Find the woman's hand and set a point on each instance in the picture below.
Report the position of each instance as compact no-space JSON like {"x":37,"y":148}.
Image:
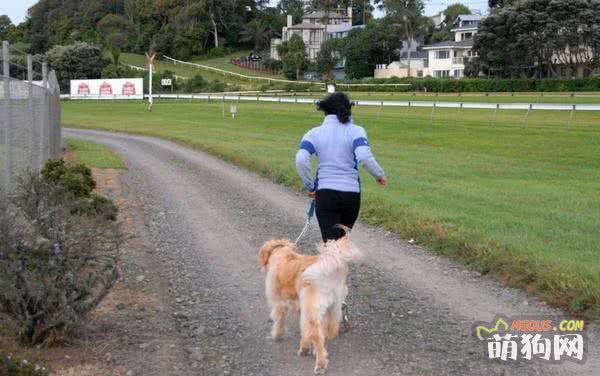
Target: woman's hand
{"x":382,"y":180}
{"x":312,"y":195}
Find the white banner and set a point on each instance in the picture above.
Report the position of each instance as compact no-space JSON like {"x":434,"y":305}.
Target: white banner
{"x":119,"y":88}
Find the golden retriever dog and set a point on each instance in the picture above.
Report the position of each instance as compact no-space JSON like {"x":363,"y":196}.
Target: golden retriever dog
{"x":314,"y":284}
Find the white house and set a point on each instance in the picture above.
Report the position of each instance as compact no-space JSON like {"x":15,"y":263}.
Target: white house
{"x":315,"y":28}
{"x":443,"y":59}
{"x":447,"y":59}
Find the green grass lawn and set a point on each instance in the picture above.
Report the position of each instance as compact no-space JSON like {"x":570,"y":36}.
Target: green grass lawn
{"x":95,"y":155}
{"x":578,"y":98}
{"x":225,"y":64}
{"x":188,"y":71}
{"x":520,"y":201}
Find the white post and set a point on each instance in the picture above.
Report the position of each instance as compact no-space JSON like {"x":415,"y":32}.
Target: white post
{"x":150,"y":99}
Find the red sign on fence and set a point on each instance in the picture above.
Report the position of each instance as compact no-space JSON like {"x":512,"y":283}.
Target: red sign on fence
{"x":83,"y":89}
{"x":106,"y":89}
{"x":128,"y":88}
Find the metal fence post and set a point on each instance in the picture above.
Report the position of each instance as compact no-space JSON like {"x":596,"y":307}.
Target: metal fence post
{"x":524,"y":124}
{"x":6,"y":140}
{"x":493,"y":122}
{"x":34,"y":157}
{"x":458,"y":113}
{"x":44,"y":124}
{"x":572,"y":116}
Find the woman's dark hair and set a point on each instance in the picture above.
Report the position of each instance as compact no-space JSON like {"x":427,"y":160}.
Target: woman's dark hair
{"x":337,"y":104}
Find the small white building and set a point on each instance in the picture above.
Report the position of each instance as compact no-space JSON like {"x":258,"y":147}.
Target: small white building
{"x":447,"y":59}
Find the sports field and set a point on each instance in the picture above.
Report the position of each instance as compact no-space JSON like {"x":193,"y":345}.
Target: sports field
{"x":517,"y":199}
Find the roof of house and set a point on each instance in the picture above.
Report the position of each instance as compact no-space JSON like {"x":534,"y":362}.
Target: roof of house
{"x":450,"y":44}
{"x":307,"y":25}
{"x":322,"y":14}
{"x":469,"y":17}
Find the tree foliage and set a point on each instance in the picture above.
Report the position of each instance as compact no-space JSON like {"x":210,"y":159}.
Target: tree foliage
{"x":76,"y":61}
{"x":533,"y":37}
{"x":364,"y":48}
{"x":175,"y":27}
{"x":327,"y":58}
{"x":293,"y":56}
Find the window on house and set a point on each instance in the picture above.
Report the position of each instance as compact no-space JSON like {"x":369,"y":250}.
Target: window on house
{"x":444,"y":54}
{"x":466,"y":36}
{"x":419,"y":73}
{"x":442,"y":73}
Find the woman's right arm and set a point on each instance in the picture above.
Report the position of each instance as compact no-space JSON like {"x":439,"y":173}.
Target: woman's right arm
{"x":364,"y":156}
{"x":303,"y":162}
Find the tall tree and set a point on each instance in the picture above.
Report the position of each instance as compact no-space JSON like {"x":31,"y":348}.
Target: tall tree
{"x":327,"y":58}
{"x":295,"y":8}
{"x":256,"y":33}
{"x":407,"y":17}
{"x":533,"y":37}
{"x":364,"y":48}
{"x":293,"y":56}
{"x":362,"y":12}
{"x":117,"y":31}
{"x":5,"y":25}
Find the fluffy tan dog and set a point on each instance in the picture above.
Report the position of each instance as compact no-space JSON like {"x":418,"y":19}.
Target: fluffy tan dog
{"x":315,"y":284}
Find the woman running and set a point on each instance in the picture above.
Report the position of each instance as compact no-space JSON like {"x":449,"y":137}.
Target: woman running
{"x":341,"y":146}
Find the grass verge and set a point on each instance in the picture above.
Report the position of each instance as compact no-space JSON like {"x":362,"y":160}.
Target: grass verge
{"x":94,"y":155}
{"x":515,"y":198}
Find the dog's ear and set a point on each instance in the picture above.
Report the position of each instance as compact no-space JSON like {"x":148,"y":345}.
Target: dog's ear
{"x":263,"y":256}
{"x":264,"y":253}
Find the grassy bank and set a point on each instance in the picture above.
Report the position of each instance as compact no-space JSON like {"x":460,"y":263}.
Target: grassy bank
{"x":519,"y":200}
{"x":94,"y":155}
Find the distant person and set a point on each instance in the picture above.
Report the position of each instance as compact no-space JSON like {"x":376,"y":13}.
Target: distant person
{"x":341,"y":146}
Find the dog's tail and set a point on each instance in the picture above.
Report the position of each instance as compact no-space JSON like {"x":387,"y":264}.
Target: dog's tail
{"x":335,"y":255}
{"x":264,"y":253}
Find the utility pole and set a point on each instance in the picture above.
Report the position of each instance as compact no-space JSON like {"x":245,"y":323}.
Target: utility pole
{"x":150,"y":55}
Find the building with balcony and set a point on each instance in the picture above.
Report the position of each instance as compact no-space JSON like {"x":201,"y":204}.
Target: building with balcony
{"x":315,"y":28}
{"x":448,"y":58}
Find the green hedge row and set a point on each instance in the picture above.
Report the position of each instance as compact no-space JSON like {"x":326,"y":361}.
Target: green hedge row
{"x":449,"y":85}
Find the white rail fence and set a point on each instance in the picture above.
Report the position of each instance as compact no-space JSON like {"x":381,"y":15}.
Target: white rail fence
{"x":381,"y":103}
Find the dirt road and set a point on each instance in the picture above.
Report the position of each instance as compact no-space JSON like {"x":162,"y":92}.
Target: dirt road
{"x":412,"y":312}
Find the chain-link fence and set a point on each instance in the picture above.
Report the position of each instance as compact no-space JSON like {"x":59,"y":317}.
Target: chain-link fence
{"x":30,"y":132}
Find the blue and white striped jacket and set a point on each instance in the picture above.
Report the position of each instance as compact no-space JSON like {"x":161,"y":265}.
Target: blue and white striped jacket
{"x":340,"y":149}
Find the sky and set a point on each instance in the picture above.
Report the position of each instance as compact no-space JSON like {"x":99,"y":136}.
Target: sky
{"x":17,"y":9}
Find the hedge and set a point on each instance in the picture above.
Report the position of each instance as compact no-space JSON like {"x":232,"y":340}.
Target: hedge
{"x":450,"y":85}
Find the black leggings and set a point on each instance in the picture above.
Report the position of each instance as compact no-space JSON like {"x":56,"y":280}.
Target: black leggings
{"x":333,"y":208}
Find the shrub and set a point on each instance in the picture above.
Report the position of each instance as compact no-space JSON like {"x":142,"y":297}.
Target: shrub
{"x":77,"y":179}
{"x":58,"y":254}
{"x":272,"y":64}
{"x":12,"y":366}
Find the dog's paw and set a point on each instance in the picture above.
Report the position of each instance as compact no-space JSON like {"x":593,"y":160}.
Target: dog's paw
{"x":303,"y":352}
{"x":320,"y":369}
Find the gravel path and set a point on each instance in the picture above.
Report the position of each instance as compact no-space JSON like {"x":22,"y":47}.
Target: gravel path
{"x":411,"y":311}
